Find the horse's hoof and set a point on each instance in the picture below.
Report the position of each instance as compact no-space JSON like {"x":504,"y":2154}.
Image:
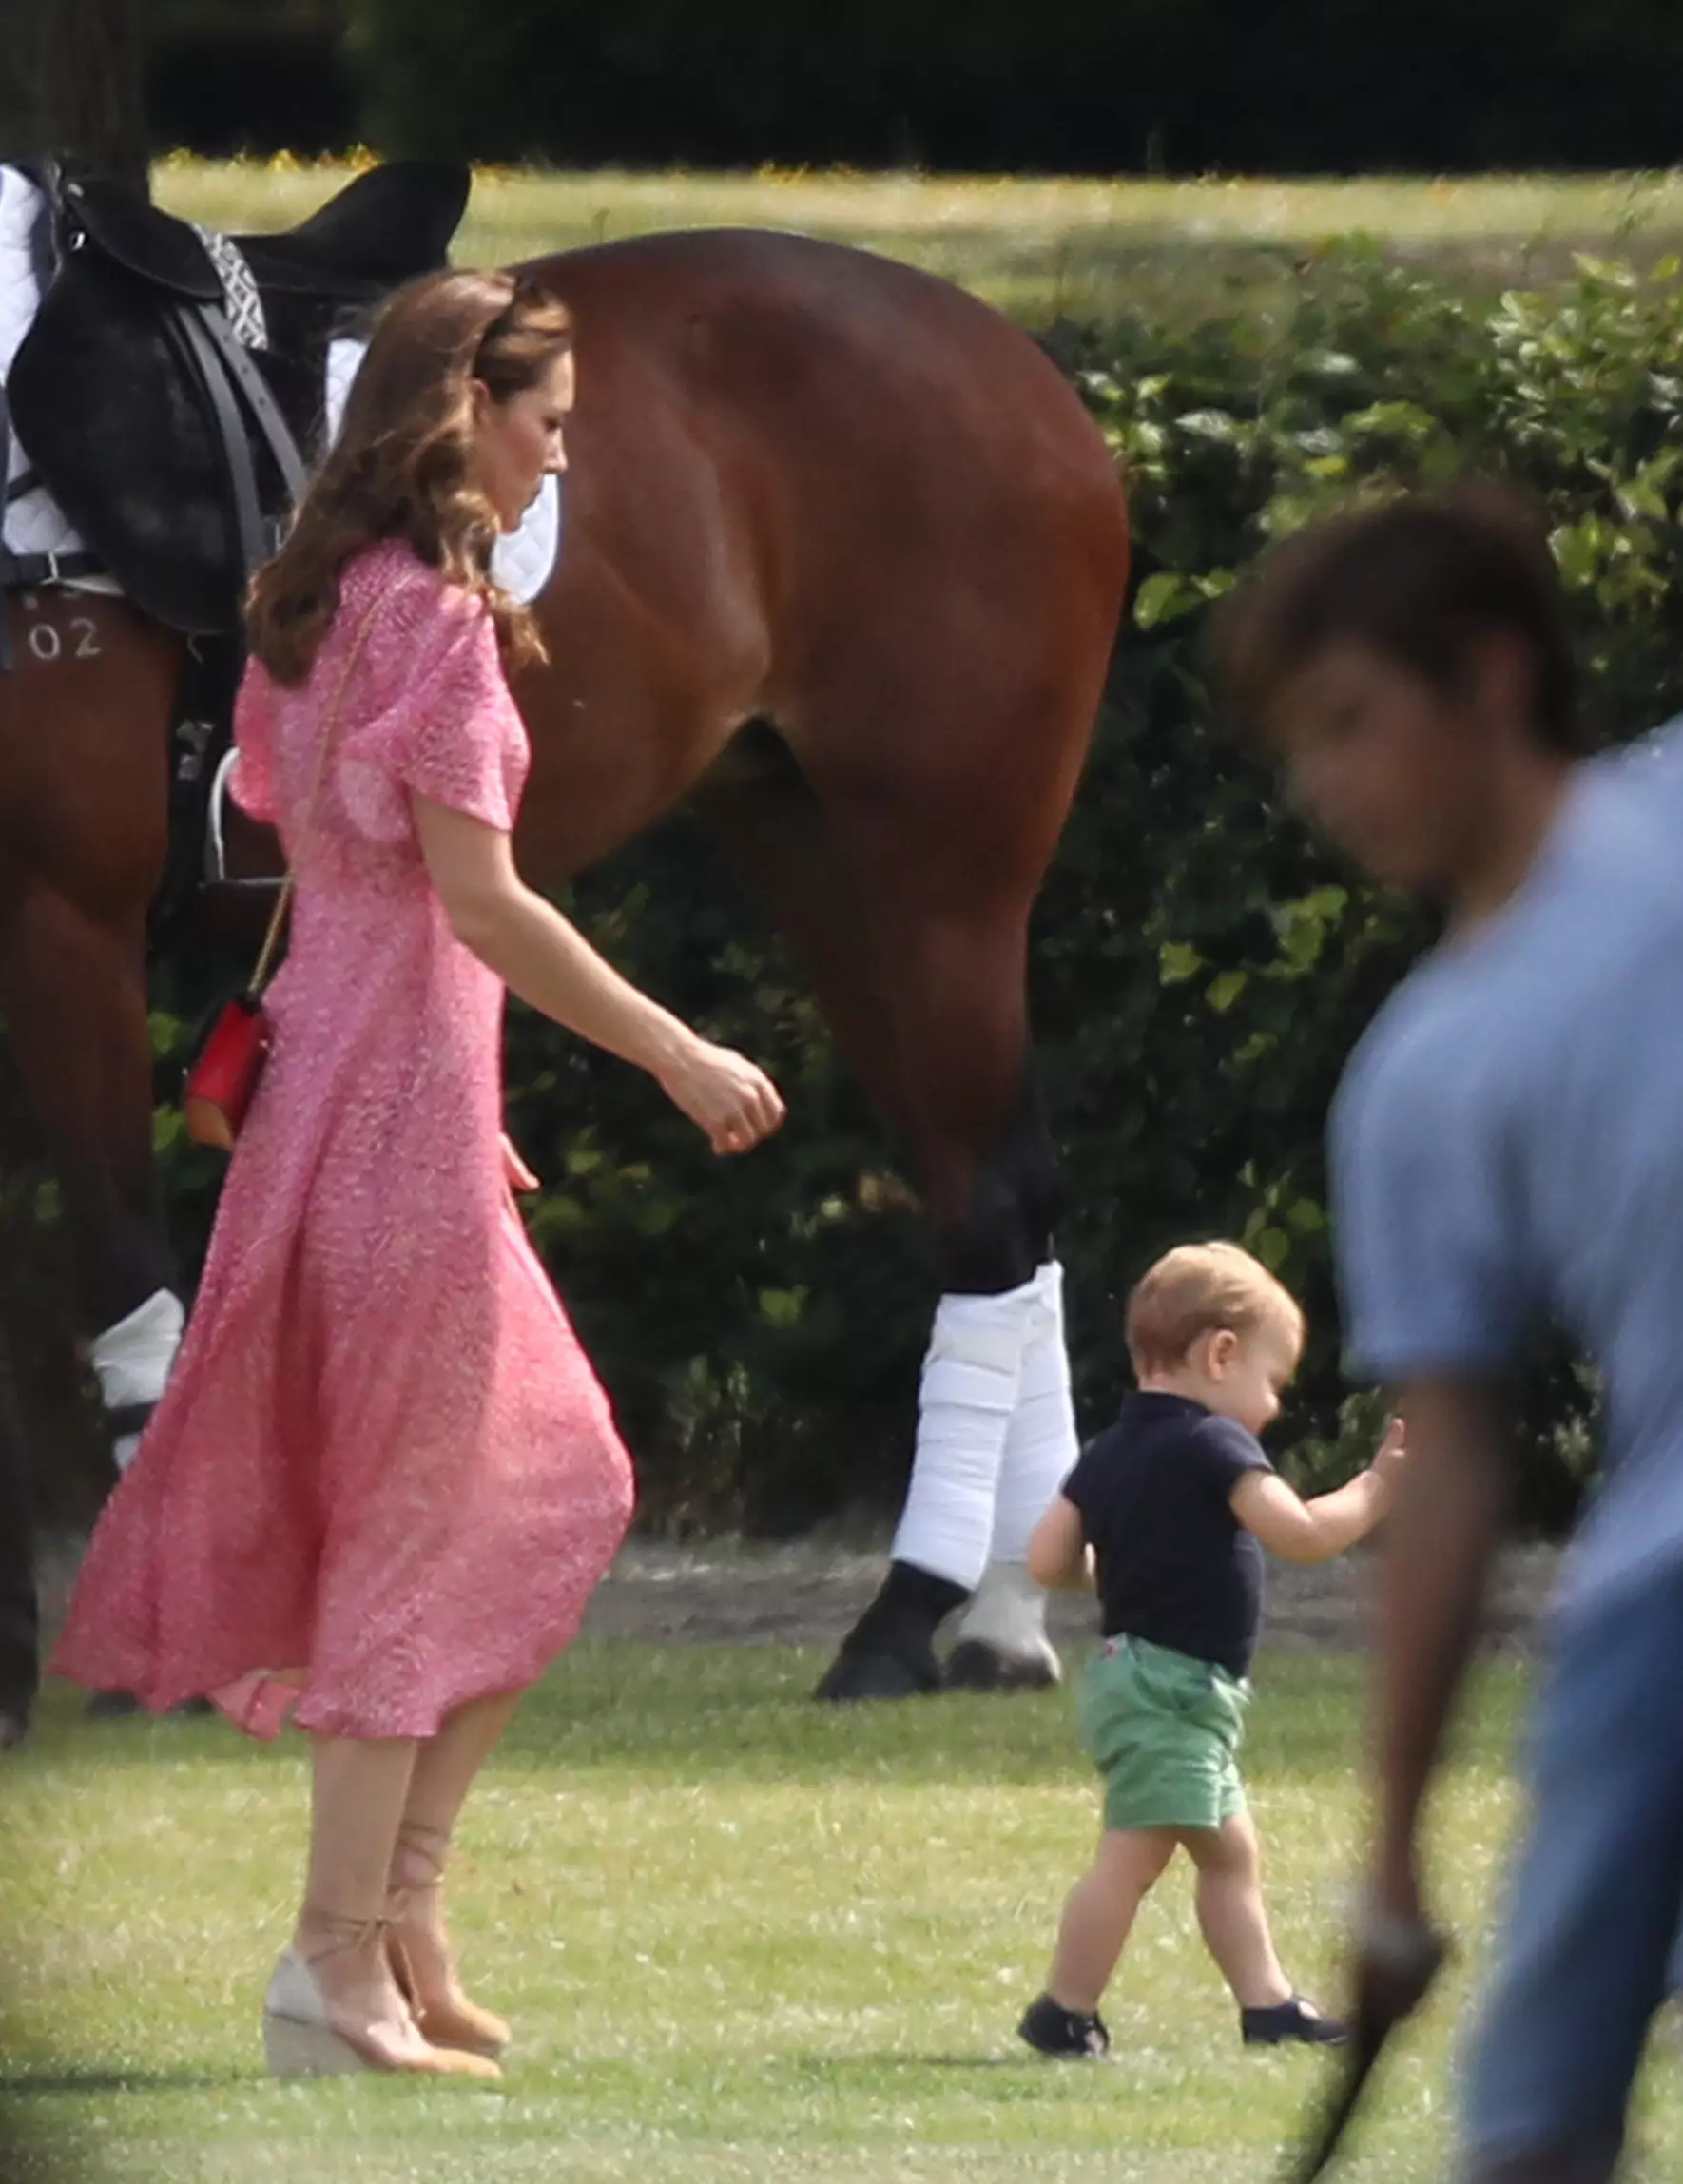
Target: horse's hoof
{"x":975,"y":1666}
{"x":873,"y":1675}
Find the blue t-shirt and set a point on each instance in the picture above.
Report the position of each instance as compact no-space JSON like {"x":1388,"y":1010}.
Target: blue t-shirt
{"x":1175,"y":1563}
{"x":1507,"y":1146}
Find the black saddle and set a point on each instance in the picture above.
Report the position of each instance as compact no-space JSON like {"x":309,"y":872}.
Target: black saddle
{"x":383,"y":228}
{"x":172,"y":376}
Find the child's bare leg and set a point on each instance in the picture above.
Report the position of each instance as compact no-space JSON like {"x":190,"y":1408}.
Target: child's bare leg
{"x":1100,"y":1913}
{"x":1232,"y":1914}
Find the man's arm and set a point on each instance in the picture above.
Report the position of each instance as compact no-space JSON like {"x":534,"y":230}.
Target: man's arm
{"x":1438,"y":1288}
{"x":1440,"y":1541}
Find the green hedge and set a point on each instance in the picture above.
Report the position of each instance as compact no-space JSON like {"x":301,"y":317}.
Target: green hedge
{"x":1200,"y":968}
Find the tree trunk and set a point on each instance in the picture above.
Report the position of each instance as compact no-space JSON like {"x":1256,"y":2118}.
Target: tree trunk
{"x":71,"y":81}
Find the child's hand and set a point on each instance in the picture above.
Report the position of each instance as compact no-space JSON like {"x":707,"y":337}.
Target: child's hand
{"x":1392,"y":1453}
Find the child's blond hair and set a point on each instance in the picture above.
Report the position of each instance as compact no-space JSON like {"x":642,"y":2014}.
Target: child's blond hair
{"x":1199,"y":1290}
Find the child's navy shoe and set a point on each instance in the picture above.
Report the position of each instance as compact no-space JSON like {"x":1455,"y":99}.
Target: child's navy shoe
{"x":1297,"y":2019}
{"x":1073,"y":2034}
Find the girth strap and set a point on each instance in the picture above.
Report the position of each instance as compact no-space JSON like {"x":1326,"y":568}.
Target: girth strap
{"x":266,"y":410}
{"x":225,"y":370}
{"x":188,"y":323}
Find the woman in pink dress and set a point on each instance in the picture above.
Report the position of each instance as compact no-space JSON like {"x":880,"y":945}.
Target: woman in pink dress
{"x":383,"y":1479}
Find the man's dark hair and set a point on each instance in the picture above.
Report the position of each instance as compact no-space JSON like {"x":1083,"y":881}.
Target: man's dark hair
{"x":1420,"y":580}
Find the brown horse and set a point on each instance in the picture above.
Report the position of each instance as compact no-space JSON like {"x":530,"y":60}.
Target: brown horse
{"x":843,"y":562}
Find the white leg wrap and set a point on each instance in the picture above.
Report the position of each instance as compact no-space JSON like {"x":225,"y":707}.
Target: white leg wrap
{"x":1040,"y":1445}
{"x":1008,"y":1610}
{"x":132,"y":1360}
{"x":968,"y":1392}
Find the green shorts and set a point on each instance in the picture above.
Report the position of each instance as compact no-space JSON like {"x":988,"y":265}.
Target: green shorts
{"x":1164,"y":1730}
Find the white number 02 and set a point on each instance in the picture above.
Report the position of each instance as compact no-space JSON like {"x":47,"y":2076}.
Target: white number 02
{"x":46,"y":643}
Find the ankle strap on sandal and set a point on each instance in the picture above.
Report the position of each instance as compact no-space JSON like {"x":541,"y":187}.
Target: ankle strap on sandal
{"x":346,"y":1931}
{"x":428,"y":1847}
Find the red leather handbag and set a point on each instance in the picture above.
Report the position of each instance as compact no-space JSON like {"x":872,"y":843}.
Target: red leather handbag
{"x":223,"y":1075}
{"x":222,"y":1078}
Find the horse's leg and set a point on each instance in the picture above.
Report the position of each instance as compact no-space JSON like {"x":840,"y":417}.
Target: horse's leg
{"x":923,"y":985}
{"x":996,"y":1425}
{"x":84,"y":756}
{"x":72,"y":986}
{"x":1000,"y":1641}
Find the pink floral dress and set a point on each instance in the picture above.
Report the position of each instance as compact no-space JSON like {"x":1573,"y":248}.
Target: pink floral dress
{"x":383,"y":1479}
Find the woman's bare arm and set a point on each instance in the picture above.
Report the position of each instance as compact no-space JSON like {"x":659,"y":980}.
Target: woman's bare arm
{"x":548,"y":962}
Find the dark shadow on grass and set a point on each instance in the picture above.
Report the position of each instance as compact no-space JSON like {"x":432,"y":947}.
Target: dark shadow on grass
{"x":900,"y":2060}
{"x":26,"y":2085}
{"x":746,"y":1714}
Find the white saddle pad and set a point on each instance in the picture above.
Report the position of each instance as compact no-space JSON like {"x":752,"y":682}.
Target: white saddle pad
{"x":521,"y":560}
{"x":33,"y":523}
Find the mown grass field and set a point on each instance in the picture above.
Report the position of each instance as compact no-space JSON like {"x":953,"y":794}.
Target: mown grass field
{"x":1041,"y":249}
{"x":742,"y":1937}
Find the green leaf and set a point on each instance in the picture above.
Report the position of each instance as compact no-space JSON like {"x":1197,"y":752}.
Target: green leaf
{"x":1220,"y":426}
{"x":1577,"y":553}
{"x":1273,"y":1247}
{"x":1164,"y":597}
{"x":1394,"y":420}
{"x":1177,"y":960}
{"x":1330,"y":364}
{"x":1637,"y":497}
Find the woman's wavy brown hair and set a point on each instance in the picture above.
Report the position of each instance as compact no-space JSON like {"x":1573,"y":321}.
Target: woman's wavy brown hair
{"x":402,"y":466}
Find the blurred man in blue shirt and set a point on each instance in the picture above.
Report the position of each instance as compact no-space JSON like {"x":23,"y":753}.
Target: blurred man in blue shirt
{"x":1507,"y":1151}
